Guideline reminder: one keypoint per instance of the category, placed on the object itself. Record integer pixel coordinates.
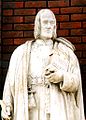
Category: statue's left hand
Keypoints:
(53, 74)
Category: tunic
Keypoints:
(39, 60)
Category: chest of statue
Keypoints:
(39, 57)
(43, 55)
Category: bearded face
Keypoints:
(47, 25)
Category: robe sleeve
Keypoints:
(7, 95)
(9, 87)
(71, 78)
(72, 83)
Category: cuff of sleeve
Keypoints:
(68, 83)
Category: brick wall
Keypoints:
(18, 24)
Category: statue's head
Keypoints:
(45, 25)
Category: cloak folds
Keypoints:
(70, 93)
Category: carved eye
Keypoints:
(45, 21)
(52, 22)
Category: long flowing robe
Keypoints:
(65, 98)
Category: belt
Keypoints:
(38, 81)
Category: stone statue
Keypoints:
(43, 80)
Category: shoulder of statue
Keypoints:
(66, 42)
(24, 45)
(22, 48)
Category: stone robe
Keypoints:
(61, 101)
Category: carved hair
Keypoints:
(37, 27)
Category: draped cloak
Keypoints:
(66, 96)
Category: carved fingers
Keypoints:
(53, 74)
(6, 111)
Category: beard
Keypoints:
(47, 34)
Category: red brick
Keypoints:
(84, 24)
(83, 62)
(62, 32)
(78, 32)
(80, 46)
(13, 19)
(71, 10)
(78, 2)
(19, 4)
(7, 12)
(84, 9)
(62, 18)
(8, 49)
(78, 54)
(12, 4)
(84, 54)
(7, 41)
(12, 34)
(76, 17)
(70, 25)
(84, 39)
(55, 10)
(28, 34)
(35, 4)
(23, 26)
(74, 39)
(60, 3)
(24, 12)
(6, 57)
(19, 41)
(7, 27)
(29, 19)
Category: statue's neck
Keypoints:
(45, 40)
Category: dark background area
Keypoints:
(17, 25)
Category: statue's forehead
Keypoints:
(47, 15)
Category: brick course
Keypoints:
(71, 10)
(18, 24)
(78, 17)
(78, 2)
(60, 3)
(70, 25)
(12, 19)
(8, 12)
(24, 12)
(37, 4)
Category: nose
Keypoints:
(48, 25)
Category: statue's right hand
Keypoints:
(6, 111)
(4, 115)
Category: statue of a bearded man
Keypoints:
(43, 80)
